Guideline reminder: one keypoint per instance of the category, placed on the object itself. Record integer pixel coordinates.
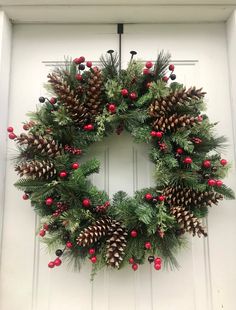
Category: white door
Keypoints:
(207, 277)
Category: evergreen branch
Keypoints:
(161, 65)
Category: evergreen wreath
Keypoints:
(89, 103)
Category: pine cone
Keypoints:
(44, 145)
(36, 169)
(173, 122)
(187, 221)
(94, 94)
(77, 111)
(91, 234)
(177, 98)
(116, 245)
(183, 197)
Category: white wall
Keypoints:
(5, 58)
(206, 280)
(231, 47)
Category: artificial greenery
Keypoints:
(64, 119)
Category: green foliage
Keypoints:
(181, 138)
(161, 65)
(110, 63)
(148, 218)
(91, 166)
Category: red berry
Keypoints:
(112, 108)
(223, 162)
(86, 203)
(42, 232)
(49, 201)
(93, 259)
(46, 226)
(92, 251)
(51, 264)
(159, 134)
(89, 127)
(153, 133)
(133, 96)
(171, 67)
(161, 198)
(76, 61)
(10, 129)
(219, 183)
(26, 127)
(89, 64)
(25, 196)
(107, 204)
(133, 233)
(199, 118)
(148, 196)
(53, 100)
(157, 260)
(69, 245)
(157, 266)
(188, 160)
(12, 136)
(63, 174)
(149, 64)
(206, 163)
(131, 260)
(165, 78)
(146, 71)
(75, 166)
(57, 261)
(135, 267)
(148, 245)
(124, 92)
(179, 151)
(81, 59)
(79, 77)
(211, 182)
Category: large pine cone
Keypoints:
(94, 94)
(183, 197)
(36, 143)
(187, 221)
(116, 245)
(36, 169)
(69, 99)
(91, 234)
(173, 122)
(177, 98)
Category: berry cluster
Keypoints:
(207, 165)
(61, 207)
(103, 208)
(157, 262)
(171, 76)
(150, 198)
(125, 93)
(72, 150)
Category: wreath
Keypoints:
(88, 103)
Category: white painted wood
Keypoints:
(129, 13)
(231, 43)
(207, 276)
(5, 56)
(115, 2)
(212, 261)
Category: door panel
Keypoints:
(206, 278)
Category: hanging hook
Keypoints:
(132, 55)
